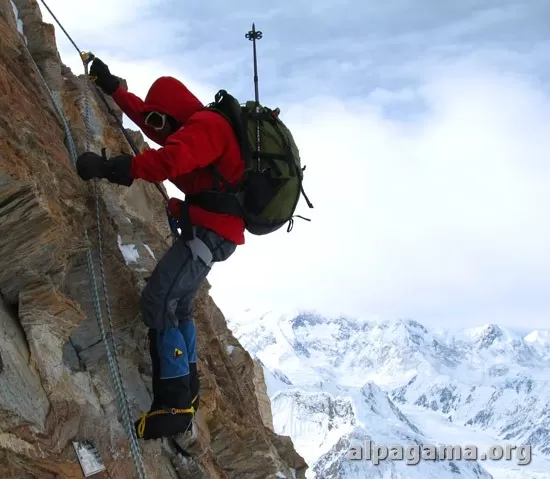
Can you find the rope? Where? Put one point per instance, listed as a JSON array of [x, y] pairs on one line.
[[112, 357], [86, 57], [120, 125], [61, 26]]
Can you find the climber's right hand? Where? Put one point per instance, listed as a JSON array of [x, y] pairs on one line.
[[103, 77]]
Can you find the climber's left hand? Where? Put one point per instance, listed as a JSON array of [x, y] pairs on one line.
[[91, 165], [103, 78]]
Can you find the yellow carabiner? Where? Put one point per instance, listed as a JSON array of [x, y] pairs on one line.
[[87, 57]]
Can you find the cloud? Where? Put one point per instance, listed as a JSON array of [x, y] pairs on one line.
[[441, 218], [425, 134]]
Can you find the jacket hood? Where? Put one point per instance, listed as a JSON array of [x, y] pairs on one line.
[[170, 96]]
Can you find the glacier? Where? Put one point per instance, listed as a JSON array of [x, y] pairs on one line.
[[336, 382]]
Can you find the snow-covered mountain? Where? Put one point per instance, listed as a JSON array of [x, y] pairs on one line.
[[335, 382]]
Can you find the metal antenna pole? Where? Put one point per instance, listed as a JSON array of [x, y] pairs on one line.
[[254, 35]]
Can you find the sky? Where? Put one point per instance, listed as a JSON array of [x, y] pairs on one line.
[[424, 126]]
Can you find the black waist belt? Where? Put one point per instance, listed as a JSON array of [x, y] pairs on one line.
[[216, 203]]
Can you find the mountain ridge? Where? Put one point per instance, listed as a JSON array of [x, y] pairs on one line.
[[487, 380]]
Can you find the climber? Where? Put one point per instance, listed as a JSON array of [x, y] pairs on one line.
[[193, 141]]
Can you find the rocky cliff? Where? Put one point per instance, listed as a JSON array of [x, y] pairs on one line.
[[55, 383]]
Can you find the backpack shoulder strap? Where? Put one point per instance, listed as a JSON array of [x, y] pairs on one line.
[[215, 200], [237, 116]]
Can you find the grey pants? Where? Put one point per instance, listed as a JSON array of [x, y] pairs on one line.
[[167, 300]]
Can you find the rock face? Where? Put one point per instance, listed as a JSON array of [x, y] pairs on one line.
[[55, 384]]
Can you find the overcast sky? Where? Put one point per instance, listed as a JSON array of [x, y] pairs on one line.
[[425, 128]]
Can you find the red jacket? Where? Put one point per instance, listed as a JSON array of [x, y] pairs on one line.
[[205, 138]]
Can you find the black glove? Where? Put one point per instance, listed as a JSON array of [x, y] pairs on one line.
[[91, 165], [117, 169], [103, 77], [120, 168]]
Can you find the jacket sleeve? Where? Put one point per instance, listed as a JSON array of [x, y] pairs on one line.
[[201, 142], [132, 106]]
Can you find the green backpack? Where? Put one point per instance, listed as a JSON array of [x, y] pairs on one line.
[[272, 183]]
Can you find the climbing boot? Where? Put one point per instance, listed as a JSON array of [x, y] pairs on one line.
[[195, 385], [171, 412]]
